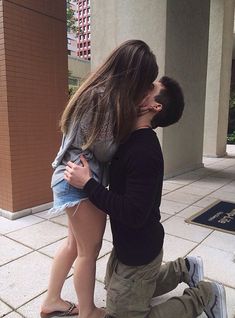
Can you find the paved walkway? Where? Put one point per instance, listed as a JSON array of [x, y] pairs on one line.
[[27, 245]]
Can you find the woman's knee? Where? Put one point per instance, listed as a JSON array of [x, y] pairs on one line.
[[91, 251]]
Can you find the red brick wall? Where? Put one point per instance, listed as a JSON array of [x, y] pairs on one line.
[[35, 55], [5, 163]]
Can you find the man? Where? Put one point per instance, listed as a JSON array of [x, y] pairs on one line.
[[135, 273]]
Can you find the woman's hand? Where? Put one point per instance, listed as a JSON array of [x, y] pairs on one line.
[[77, 175]]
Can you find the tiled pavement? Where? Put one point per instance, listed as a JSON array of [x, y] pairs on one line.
[[27, 245]]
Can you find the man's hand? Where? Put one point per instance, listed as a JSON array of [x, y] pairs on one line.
[[77, 175]]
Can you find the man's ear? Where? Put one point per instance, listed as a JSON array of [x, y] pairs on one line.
[[157, 107]]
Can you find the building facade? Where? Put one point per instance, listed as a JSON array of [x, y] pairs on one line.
[[80, 44]]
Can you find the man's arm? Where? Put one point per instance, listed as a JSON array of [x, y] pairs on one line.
[[131, 208]]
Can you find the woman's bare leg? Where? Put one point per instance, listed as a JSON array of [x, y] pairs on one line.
[[61, 266], [88, 224]]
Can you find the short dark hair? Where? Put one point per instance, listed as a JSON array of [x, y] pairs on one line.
[[172, 99]]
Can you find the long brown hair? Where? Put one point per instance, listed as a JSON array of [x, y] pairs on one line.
[[124, 78]]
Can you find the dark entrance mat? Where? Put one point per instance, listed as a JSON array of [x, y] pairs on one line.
[[219, 216]]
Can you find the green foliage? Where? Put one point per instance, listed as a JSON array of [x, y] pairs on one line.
[[231, 120], [72, 90], [231, 138], [71, 20]]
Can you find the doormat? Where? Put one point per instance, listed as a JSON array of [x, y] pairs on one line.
[[219, 216]]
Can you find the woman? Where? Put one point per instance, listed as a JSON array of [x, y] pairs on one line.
[[100, 115]]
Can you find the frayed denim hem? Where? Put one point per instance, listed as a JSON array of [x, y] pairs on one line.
[[53, 212]]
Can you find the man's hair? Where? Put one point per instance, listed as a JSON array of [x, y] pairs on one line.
[[172, 99]]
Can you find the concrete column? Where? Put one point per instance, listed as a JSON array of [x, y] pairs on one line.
[[218, 77], [177, 32], [33, 92]]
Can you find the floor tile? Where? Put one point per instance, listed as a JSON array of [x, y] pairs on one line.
[[24, 279], [192, 189], [106, 248], [43, 214], [223, 195], [51, 249], [168, 185], [218, 264], [221, 240], [185, 178], [165, 216], [108, 233], [4, 309], [7, 226], [206, 202], [68, 293], [171, 207], [209, 161], [40, 235], [178, 227], [230, 187], [32, 308], [10, 250], [230, 299], [101, 268], [227, 174], [175, 247], [182, 197], [61, 219], [189, 211], [164, 192], [211, 182], [13, 315], [100, 294]]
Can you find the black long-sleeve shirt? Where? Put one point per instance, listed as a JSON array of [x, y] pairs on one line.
[[133, 198]]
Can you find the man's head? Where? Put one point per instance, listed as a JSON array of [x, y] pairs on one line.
[[167, 94]]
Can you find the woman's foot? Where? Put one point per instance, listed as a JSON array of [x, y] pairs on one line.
[[59, 305]]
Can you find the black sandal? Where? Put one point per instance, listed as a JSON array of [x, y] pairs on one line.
[[57, 313]]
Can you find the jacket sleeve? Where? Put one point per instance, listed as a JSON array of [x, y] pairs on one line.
[[133, 207]]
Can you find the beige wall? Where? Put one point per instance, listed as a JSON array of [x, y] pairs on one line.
[[79, 68], [218, 77], [175, 30]]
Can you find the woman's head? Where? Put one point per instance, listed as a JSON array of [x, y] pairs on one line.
[[132, 67], [125, 77]]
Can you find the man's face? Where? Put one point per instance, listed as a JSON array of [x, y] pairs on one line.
[[150, 98]]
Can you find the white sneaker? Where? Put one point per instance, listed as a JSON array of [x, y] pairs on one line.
[[217, 305], [196, 272]]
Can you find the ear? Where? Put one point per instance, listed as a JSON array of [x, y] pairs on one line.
[[157, 107]]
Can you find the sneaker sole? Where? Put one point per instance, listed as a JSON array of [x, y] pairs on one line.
[[200, 272], [222, 304]]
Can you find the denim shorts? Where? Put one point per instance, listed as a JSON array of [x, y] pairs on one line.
[[65, 196]]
